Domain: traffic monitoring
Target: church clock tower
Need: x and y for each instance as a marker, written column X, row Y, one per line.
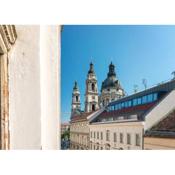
column 76, row 105
column 91, row 96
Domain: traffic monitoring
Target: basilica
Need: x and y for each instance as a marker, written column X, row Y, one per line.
column 111, row 90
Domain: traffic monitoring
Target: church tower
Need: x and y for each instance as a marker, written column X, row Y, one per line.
column 76, row 105
column 111, row 89
column 91, row 95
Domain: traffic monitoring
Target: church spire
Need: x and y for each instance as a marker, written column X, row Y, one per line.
column 111, row 70
column 75, row 86
column 76, row 105
column 91, row 70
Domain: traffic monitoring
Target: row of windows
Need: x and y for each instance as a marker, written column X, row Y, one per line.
column 134, row 102
column 99, row 135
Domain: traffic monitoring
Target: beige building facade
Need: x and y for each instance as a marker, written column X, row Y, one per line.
column 79, row 135
column 159, row 143
column 116, row 135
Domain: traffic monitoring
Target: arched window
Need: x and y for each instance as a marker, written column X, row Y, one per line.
column 76, row 98
column 93, row 87
column 93, row 107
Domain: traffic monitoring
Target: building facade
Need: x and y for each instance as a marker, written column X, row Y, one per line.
column 79, row 132
column 116, row 135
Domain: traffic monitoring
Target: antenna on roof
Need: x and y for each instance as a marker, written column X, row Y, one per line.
column 135, row 88
column 173, row 73
column 144, row 81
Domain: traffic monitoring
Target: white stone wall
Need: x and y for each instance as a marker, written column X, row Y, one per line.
column 50, row 94
column 33, row 88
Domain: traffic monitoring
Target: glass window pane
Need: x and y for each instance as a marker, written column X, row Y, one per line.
column 139, row 101
column 150, row 98
column 129, row 103
column 144, row 99
column 119, row 106
column 126, row 104
column 134, row 102
column 116, row 107
column 155, row 96
column 123, row 105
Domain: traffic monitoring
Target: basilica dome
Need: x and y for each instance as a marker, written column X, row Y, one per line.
column 111, row 80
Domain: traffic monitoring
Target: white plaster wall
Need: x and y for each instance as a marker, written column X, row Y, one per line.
column 34, row 88
column 24, row 90
column 49, row 54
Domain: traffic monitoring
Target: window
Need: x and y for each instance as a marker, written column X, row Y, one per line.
column 126, row 104
column 119, row 106
column 115, row 137
column 123, row 105
column 129, row 103
column 154, row 96
column 139, row 101
column 144, row 99
column 76, row 98
column 97, row 146
column 93, row 87
column 97, row 135
column 91, row 134
column 134, row 102
column 107, row 135
column 94, row 134
column 137, row 140
column 101, row 135
column 128, row 139
column 93, row 107
column 116, row 107
column 121, row 138
column 150, row 98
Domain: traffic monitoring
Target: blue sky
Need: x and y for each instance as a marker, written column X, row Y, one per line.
column 137, row 51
